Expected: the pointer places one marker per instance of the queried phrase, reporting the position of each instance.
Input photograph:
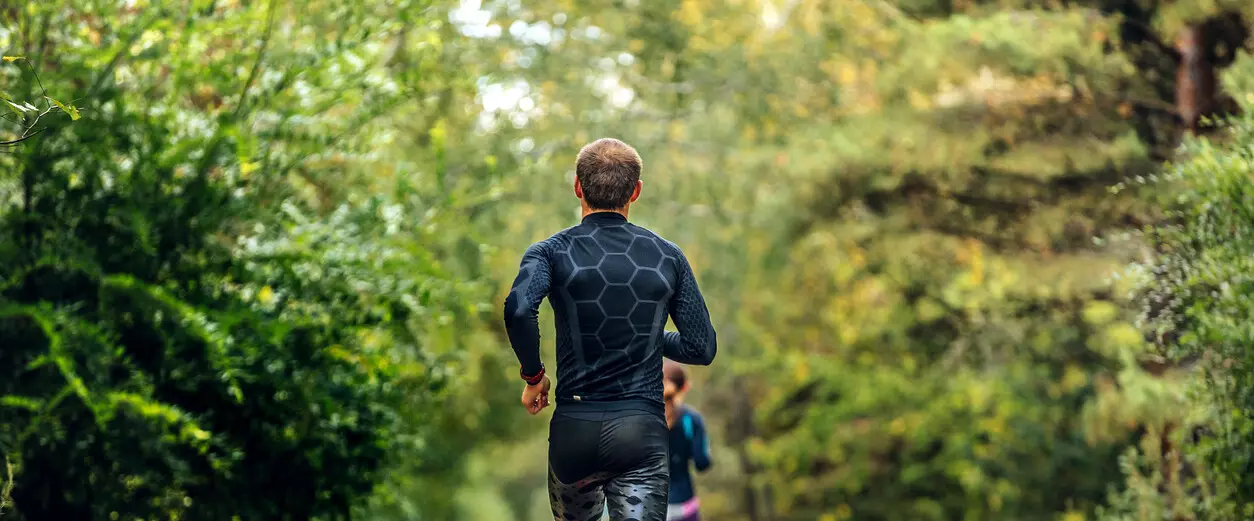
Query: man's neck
(589, 211)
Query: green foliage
(902, 214)
(255, 276)
(1196, 301)
(22, 119)
(1193, 299)
(203, 316)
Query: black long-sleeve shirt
(611, 285)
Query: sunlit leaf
(68, 109)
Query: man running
(689, 444)
(611, 285)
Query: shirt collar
(604, 218)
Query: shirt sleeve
(700, 444)
(522, 307)
(695, 342)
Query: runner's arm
(522, 308)
(695, 343)
(700, 444)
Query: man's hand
(536, 397)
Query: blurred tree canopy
(254, 256)
(905, 211)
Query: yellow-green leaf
(246, 168)
(11, 59)
(68, 109)
(266, 295)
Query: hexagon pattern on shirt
(617, 271)
(611, 285)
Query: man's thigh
(640, 494)
(583, 500)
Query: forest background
(969, 260)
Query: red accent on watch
(532, 380)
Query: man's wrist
(532, 379)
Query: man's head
(607, 175)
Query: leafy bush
(1197, 291)
(150, 373)
(184, 334)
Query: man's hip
(616, 459)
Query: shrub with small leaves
(1198, 295)
(181, 337)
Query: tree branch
(24, 137)
(261, 56)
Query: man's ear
(578, 189)
(636, 194)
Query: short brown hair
(608, 171)
(675, 373)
